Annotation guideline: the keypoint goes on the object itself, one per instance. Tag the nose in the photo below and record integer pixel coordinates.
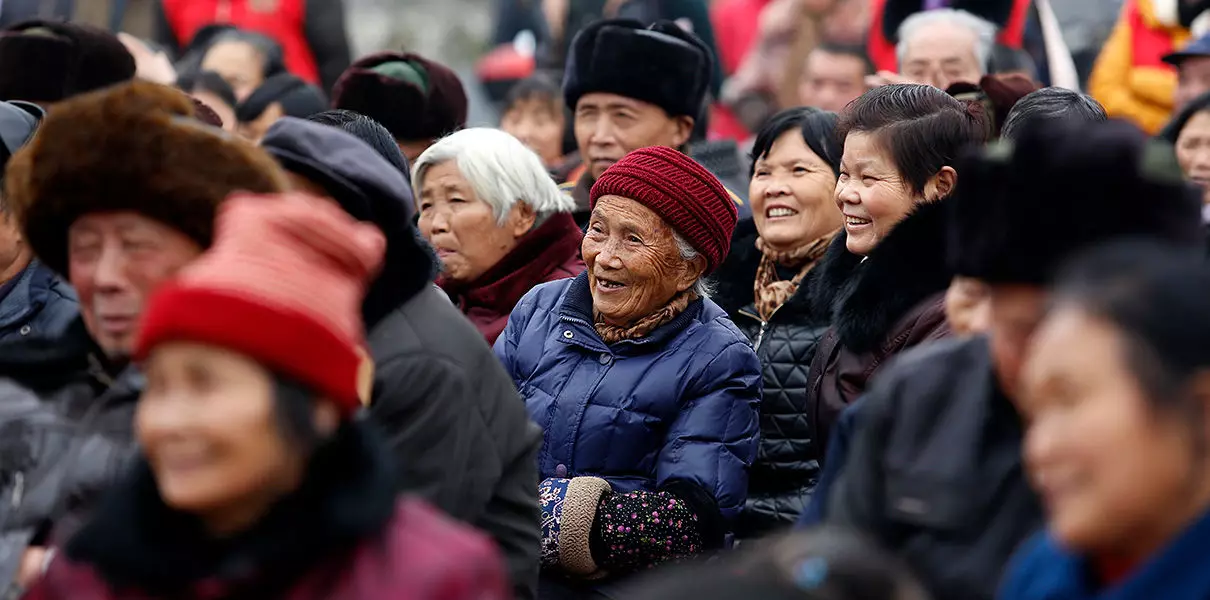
(846, 194)
(602, 133)
(110, 273)
(777, 187)
(608, 256)
(438, 222)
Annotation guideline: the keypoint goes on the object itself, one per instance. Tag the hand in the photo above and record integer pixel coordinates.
(885, 78)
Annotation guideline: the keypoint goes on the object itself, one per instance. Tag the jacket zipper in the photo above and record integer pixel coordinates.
(764, 326)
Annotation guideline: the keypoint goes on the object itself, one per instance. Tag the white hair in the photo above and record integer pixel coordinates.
(703, 286)
(984, 30)
(499, 169)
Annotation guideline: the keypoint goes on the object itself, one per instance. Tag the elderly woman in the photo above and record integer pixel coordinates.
(497, 220)
(647, 392)
(763, 286)
(886, 275)
(254, 479)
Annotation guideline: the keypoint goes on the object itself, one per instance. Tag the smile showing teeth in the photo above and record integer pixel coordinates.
(856, 221)
(774, 213)
(605, 283)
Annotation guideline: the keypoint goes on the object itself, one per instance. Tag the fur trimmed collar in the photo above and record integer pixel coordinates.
(135, 540)
(868, 298)
(734, 280)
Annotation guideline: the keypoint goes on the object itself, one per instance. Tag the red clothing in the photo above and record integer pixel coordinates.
(736, 25)
(548, 253)
(286, 24)
(882, 50)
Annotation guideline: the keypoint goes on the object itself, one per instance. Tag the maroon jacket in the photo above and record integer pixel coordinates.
(548, 253)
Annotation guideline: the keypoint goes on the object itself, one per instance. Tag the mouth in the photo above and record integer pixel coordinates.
(1201, 181)
(606, 285)
(603, 163)
(853, 223)
(779, 212)
(116, 324)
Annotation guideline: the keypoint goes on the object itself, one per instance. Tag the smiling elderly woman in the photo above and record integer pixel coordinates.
(647, 392)
(498, 222)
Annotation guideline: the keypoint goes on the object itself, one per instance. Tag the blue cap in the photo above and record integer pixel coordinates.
(1198, 48)
(18, 122)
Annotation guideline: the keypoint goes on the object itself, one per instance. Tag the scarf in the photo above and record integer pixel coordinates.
(770, 290)
(612, 334)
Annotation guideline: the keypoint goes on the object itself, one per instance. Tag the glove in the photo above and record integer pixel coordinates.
(569, 509)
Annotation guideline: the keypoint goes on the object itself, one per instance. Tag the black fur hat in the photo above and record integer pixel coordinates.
(662, 64)
(48, 61)
(1022, 208)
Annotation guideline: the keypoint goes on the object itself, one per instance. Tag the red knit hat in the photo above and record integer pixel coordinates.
(683, 193)
(282, 284)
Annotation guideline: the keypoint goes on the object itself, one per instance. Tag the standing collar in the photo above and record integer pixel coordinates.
(577, 308)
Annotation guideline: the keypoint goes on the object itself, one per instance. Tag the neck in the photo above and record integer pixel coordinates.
(18, 265)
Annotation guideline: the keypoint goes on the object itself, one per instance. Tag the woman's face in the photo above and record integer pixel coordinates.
(1193, 151)
(239, 63)
(870, 192)
(1116, 475)
(208, 425)
(792, 194)
(634, 265)
(463, 229)
(967, 306)
(539, 125)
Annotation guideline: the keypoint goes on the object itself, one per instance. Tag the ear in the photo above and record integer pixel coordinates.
(521, 219)
(941, 185)
(683, 131)
(691, 273)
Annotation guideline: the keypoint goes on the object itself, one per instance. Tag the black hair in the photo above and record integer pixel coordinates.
(297, 98)
(818, 128)
(293, 403)
(922, 127)
(1173, 129)
(854, 50)
(1155, 295)
(537, 87)
(369, 131)
(1051, 103)
(212, 82)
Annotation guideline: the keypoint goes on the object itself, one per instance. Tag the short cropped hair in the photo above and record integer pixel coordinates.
(367, 130)
(1051, 103)
(984, 31)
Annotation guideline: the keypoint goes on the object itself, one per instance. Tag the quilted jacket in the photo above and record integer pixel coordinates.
(679, 406)
(786, 469)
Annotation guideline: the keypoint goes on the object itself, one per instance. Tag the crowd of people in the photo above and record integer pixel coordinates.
(275, 323)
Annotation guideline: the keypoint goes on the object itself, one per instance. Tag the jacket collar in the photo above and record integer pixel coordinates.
(735, 278)
(868, 297)
(576, 311)
(135, 540)
(542, 250)
(27, 294)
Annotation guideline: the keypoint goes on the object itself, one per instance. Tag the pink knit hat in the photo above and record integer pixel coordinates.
(283, 284)
(682, 192)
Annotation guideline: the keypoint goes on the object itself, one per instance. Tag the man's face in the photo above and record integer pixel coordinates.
(1016, 311)
(942, 54)
(1193, 80)
(115, 260)
(832, 80)
(609, 126)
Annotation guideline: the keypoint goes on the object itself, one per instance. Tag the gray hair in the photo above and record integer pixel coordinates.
(499, 169)
(984, 30)
(703, 287)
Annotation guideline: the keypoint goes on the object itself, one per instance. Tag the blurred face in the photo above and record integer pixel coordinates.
(609, 126)
(1193, 80)
(239, 63)
(538, 124)
(792, 194)
(254, 131)
(1119, 477)
(941, 55)
(1193, 151)
(115, 261)
(832, 80)
(870, 192)
(634, 265)
(225, 111)
(968, 306)
(1015, 311)
(208, 426)
(463, 229)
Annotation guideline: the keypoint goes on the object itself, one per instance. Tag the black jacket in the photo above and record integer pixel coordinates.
(935, 471)
(786, 469)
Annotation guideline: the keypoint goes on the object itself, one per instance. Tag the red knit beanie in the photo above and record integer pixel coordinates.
(683, 193)
(282, 284)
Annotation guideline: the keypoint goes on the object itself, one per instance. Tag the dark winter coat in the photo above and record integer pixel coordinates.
(680, 405)
(785, 470)
(342, 534)
(549, 253)
(934, 470)
(39, 304)
(881, 306)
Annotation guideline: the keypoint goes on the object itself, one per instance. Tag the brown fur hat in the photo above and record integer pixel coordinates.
(133, 147)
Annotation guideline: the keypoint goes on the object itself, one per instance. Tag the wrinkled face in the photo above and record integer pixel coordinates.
(225, 111)
(870, 192)
(1015, 312)
(609, 126)
(115, 261)
(1193, 80)
(538, 123)
(1193, 151)
(968, 306)
(1117, 476)
(832, 80)
(208, 426)
(634, 265)
(254, 131)
(463, 229)
(792, 194)
(239, 63)
(940, 55)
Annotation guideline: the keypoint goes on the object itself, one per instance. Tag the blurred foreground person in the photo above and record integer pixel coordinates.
(253, 479)
(45, 62)
(498, 222)
(1120, 362)
(1050, 104)
(934, 472)
(647, 392)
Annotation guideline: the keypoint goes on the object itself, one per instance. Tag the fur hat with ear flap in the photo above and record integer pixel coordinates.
(413, 97)
(1022, 208)
(134, 147)
(662, 65)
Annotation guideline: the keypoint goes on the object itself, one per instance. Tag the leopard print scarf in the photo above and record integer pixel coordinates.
(770, 290)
